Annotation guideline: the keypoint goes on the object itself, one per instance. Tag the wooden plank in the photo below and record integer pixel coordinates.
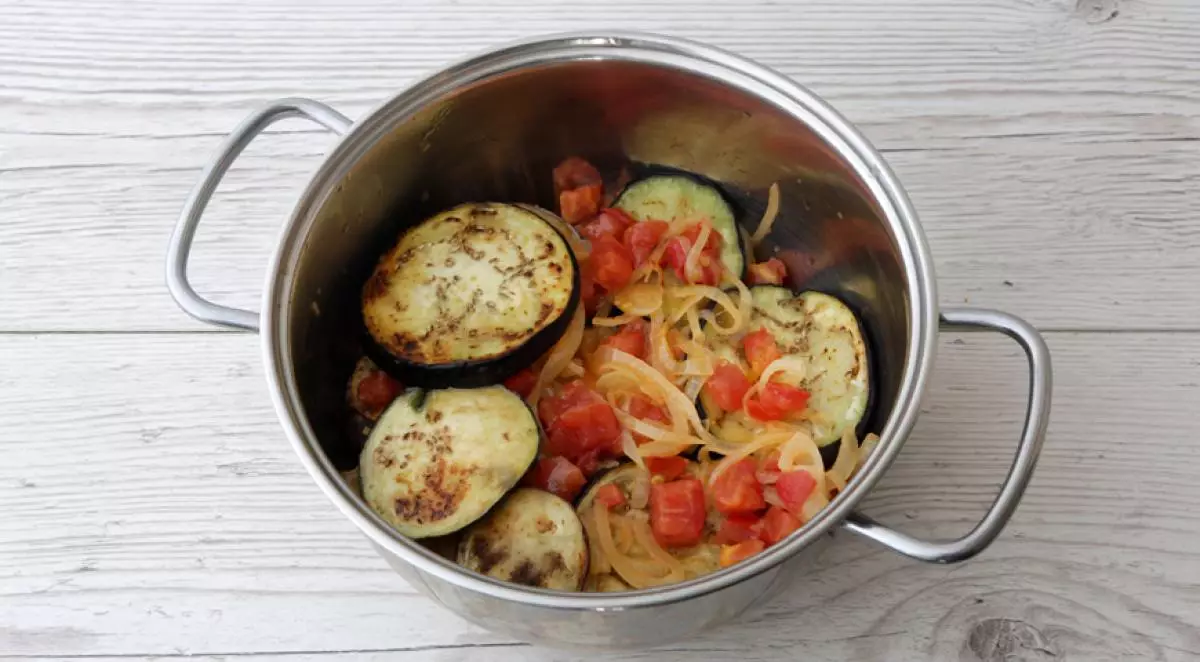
(153, 508)
(1052, 146)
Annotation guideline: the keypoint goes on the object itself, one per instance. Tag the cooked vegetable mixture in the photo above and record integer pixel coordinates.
(663, 398)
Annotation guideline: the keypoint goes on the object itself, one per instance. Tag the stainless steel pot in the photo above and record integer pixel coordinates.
(492, 127)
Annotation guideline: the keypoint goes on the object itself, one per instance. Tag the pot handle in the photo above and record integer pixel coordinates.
(1037, 416)
(185, 230)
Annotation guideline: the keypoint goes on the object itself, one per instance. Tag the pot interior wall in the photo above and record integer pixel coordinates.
(498, 139)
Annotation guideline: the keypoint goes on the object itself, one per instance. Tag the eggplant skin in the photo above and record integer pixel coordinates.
(439, 460)
(532, 538)
(470, 297)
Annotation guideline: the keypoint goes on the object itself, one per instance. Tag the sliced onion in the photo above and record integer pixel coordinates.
(793, 366)
(769, 215)
(630, 448)
(639, 299)
(628, 568)
(645, 538)
(693, 257)
(847, 459)
(564, 350)
(639, 490)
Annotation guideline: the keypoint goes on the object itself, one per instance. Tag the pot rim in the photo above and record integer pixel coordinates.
(656, 50)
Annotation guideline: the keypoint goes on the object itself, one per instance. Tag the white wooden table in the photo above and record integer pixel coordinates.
(151, 508)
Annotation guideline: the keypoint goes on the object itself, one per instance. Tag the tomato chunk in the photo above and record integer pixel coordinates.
(771, 272)
(761, 350)
(794, 488)
(522, 383)
(737, 490)
(609, 222)
(641, 407)
(777, 525)
(768, 470)
(579, 204)
(776, 402)
(631, 339)
(727, 386)
(589, 294)
(574, 172)
(643, 237)
(558, 476)
(612, 263)
(677, 512)
(707, 271)
(669, 468)
(731, 554)
(580, 426)
(377, 390)
(610, 496)
(738, 528)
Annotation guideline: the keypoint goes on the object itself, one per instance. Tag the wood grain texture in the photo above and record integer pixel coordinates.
(153, 508)
(1051, 147)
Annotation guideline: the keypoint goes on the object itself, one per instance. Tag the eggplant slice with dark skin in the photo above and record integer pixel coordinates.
(439, 460)
(672, 195)
(470, 297)
(532, 538)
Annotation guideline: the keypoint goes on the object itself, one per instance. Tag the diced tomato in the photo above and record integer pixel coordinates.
(610, 496)
(794, 488)
(609, 222)
(574, 172)
(771, 272)
(675, 258)
(776, 402)
(643, 237)
(589, 294)
(768, 470)
(737, 528)
(727, 386)
(669, 468)
(692, 234)
(731, 554)
(677, 512)
(641, 407)
(377, 390)
(580, 426)
(631, 339)
(558, 476)
(761, 349)
(612, 263)
(777, 525)
(579, 204)
(736, 490)
(522, 383)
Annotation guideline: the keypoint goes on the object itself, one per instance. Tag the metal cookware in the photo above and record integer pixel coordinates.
(492, 128)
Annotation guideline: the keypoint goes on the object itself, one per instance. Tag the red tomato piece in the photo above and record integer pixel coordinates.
(711, 245)
(738, 528)
(642, 238)
(610, 496)
(737, 490)
(777, 525)
(768, 471)
(557, 476)
(631, 339)
(612, 263)
(761, 349)
(794, 488)
(609, 222)
(771, 272)
(574, 172)
(377, 390)
(776, 402)
(589, 294)
(677, 512)
(669, 468)
(580, 426)
(522, 383)
(641, 407)
(579, 204)
(731, 554)
(675, 258)
(727, 386)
